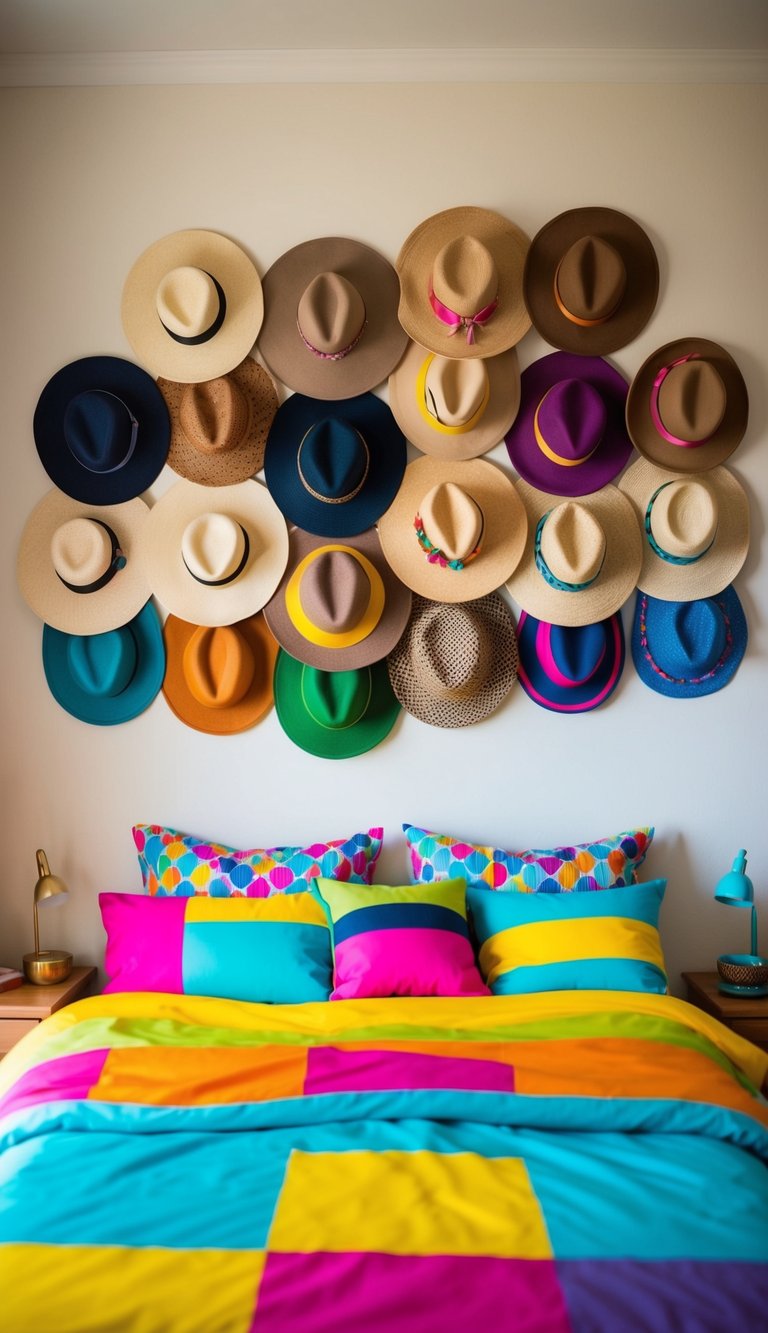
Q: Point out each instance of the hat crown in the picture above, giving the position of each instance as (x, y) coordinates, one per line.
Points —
(455, 389)
(451, 652)
(188, 301)
(333, 460)
(331, 314)
(577, 651)
(692, 400)
(218, 665)
(99, 430)
(684, 517)
(214, 415)
(336, 699)
(334, 591)
(573, 543)
(571, 420)
(689, 637)
(81, 551)
(213, 547)
(464, 275)
(103, 665)
(591, 279)
(452, 520)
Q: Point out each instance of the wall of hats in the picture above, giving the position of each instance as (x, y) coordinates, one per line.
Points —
(350, 583)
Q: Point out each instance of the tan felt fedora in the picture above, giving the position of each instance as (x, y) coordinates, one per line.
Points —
(218, 679)
(219, 427)
(452, 408)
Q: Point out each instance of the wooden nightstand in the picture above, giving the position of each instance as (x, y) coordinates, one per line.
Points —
(747, 1017)
(22, 1008)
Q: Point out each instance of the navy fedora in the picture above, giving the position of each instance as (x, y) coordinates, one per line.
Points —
(102, 429)
(686, 649)
(106, 678)
(570, 668)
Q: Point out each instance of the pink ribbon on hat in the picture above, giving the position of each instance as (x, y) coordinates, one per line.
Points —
(455, 322)
(654, 405)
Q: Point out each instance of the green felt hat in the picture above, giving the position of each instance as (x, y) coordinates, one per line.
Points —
(334, 714)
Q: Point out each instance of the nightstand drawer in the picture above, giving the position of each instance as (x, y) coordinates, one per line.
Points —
(12, 1030)
(754, 1029)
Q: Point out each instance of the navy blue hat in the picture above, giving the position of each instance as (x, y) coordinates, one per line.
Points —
(102, 430)
(334, 468)
(684, 649)
(570, 668)
(106, 678)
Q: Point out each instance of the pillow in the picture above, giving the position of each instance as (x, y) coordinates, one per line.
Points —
(182, 865)
(276, 950)
(400, 941)
(586, 941)
(605, 864)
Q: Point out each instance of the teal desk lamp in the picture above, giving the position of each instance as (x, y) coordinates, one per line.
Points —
(741, 973)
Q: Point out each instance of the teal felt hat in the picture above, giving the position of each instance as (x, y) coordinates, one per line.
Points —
(106, 678)
(334, 714)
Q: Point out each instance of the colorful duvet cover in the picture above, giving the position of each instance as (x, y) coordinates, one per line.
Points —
(559, 1163)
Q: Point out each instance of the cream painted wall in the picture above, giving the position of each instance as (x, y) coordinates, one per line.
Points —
(92, 176)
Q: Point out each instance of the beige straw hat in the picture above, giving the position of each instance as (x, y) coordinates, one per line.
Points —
(219, 427)
(451, 408)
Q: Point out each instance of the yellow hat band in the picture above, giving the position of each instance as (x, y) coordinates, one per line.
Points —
(325, 638)
(431, 420)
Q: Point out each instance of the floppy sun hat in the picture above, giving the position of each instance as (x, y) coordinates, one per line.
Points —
(461, 283)
(101, 429)
(219, 427)
(454, 531)
(106, 678)
(339, 604)
(192, 306)
(570, 668)
(569, 436)
(219, 677)
(334, 714)
(695, 529)
(79, 567)
(330, 318)
(214, 557)
(688, 407)
(334, 468)
(451, 408)
(582, 556)
(686, 649)
(591, 280)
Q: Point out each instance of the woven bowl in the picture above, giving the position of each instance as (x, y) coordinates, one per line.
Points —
(741, 970)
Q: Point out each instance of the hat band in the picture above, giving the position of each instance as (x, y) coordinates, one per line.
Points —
(546, 572)
(577, 319)
(654, 405)
(547, 658)
(212, 329)
(116, 563)
(684, 680)
(332, 356)
(659, 550)
(435, 556)
(334, 499)
(454, 322)
(105, 471)
(432, 418)
(344, 638)
(550, 453)
(229, 578)
(329, 726)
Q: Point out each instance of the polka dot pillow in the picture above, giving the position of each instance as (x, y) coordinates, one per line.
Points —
(181, 865)
(606, 863)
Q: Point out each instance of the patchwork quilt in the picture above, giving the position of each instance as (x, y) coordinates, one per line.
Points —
(571, 1162)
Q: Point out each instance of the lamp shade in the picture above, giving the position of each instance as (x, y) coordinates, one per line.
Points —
(736, 888)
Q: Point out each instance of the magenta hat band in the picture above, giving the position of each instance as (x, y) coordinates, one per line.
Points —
(547, 659)
(454, 321)
(654, 405)
(551, 670)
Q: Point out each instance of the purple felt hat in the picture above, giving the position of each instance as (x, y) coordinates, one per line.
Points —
(569, 436)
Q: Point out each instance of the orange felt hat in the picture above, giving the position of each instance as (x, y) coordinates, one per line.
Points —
(218, 678)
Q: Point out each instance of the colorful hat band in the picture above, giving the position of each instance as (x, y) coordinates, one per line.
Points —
(333, 499)
(212, 329)
(77, 454)
(430, 417)
(332, 356)
(454, 322)
(325, 638)
(654, 405)
(331, 726)
(117, 562)
(546, 572)
(678, 680)
(659, 550)
(549, 452)
(228, 578)
(435, 556)
(576, 319)
(547, 658)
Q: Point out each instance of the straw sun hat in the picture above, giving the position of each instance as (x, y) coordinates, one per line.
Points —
(219, 427)
(452, 408)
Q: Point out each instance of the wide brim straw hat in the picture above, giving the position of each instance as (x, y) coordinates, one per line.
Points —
(106, 679)
(220, 346)
(218, 679)
(374, 342)
(570, 668)
(334, 714)
(412, 403)
(240, 412)
(687, 649)
(721, 498)
(492, 238)
(455, 664)
(120, 597)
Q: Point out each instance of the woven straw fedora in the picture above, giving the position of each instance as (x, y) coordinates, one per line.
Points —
(334, 714)
(192, 306)
(108, 678)
(461, 281)
(570, 668)
(79, 566)
(451, 408)
(695, 529)
(214, 557)
(339, 605)
(330, 318)
(688, 407)
(686, 649)
(218, 679)
(219, 427)
(582, 556)
(455, 664)
(591, 280)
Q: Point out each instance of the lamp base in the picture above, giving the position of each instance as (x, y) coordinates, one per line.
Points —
(47, 967)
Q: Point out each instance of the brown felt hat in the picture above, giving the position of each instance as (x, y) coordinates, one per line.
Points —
(218, 679)
(219, 427)
(452, 408)
(591, 280)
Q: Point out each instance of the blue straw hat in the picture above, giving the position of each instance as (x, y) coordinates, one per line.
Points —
(106, 678)
(570, 668)
(685, 649)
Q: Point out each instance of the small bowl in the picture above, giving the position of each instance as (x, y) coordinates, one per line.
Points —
(743, 969)
(47, 967)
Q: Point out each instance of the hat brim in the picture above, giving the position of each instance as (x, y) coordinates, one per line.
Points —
(580, 697)
(720, 564)
(498, 415)
(504, 530)
(509, 246)
(328, 742)
(640, 294)
(235, 272)
(503, 668)
(108, 710)
(643, 636)
(236, 717)
(617, 577)
(224, 467)
(383, 340)
(376, 644)
(387, 458)
(730, 432)
(74, 612)
(614, 449)
(250, 504)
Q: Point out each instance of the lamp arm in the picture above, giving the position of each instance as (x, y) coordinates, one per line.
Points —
(37, 932)
(753, 942)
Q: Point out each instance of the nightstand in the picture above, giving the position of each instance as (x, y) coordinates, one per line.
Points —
(22, 1008)
(748, 1017)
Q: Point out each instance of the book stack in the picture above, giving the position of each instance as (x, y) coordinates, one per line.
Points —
(10, 977)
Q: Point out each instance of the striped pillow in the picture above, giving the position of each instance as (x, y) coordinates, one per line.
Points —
(409, 940)
(570, 941)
